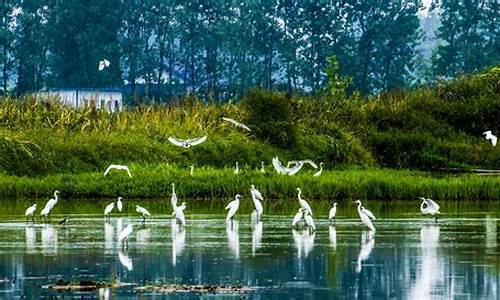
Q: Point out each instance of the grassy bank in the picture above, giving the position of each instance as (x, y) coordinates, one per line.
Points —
(154, 182)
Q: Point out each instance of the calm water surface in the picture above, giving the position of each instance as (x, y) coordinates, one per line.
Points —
(408, 256)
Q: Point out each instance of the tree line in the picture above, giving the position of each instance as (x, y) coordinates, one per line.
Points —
(221, 48)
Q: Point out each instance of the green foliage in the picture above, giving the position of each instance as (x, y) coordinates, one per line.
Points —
(337, 84)
(271, 114)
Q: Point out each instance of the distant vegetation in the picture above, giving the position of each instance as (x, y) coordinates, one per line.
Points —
(425, 129)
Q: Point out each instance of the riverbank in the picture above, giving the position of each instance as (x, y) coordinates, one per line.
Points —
(153, 182)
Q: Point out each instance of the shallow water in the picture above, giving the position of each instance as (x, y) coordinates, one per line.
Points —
(407, 257)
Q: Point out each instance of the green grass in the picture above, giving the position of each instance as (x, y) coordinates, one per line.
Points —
(154, 182)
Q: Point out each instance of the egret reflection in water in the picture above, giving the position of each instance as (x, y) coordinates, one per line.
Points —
(304, 242)
(233, 237)
(257, 228)
(178, 240)
(142, 237)
(332, 235)
(30, 238)
(491, 232)
(108, 237)
(125, 260)
(367, 244)
(49, 239)
(431, 272)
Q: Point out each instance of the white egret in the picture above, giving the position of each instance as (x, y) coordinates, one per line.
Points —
(429, 207)
(104, 293)
(118, 167)
(49, 206)
(257, 198)
(236, 169)
(119, 204)
(309, 222)
(365, 215)
(191, 170)
(262, 168)
(29, 212)
(489, 136)
(108, 209)
(104, 63)
(125, 261)
(303, 203)
(297, 218)
(367, 244)
(125, 233)
(332, 213)
(179, 214)
(173, 199)
(188, 142)
(290, 171)
(144, 212)
(236, 123)
(304, 161)
(233, 208)
(317, 174)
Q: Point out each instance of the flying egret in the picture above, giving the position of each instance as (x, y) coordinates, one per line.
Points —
(179, 214)
(108, 209)
(236, 123)
(365, 215)
(49, 206)
(144, 212)
(332, 213)
(257, 198)
(304, 161)
(303, 203)
(429, 207)
(290, 171)
(119, 204)
(188, 142)
(125, 261)
(191, 170)
(233, 208)
(64, 221)
(125, 233)
(317, 174)
(309, 221)
(118, 167)
(297, 218)
(489, 136)
(262, 168)
(29, 212)
(104, 63)
(236, 169)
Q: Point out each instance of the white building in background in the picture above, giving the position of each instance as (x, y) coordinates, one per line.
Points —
(108, 99)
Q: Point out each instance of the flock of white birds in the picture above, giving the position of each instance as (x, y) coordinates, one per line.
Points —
(304, 214)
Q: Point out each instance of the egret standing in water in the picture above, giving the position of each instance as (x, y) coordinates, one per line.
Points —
(429, 207)
(303, 203)
(332, 213)
(29, 212)
(179, 214)
(49, 206)
(365, 215)
(173, 199)
(233, 208)
(108, 209)
(257, 198)
(125, 233)
(119, 204)
(317, 174)
(297, 218)
(309, 222)
(144, 212)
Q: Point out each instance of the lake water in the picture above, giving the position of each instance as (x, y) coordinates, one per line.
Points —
(407, 257)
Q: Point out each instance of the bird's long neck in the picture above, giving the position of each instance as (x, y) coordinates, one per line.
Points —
(359, 207)
(300, 193)
(422, 205)
(173, 188)
(321, 167)
(56, 197)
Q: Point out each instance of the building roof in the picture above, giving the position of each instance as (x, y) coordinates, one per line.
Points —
(107, 90)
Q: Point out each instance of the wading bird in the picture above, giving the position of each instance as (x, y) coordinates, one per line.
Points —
(365, 215)
(257, 198)
(144, 212)
(119, 204)
(233, 208)
(187, 143)
(125, 233)
(303, 203)
(108, 209)
(173, 199)
(64, 221)
(104, 63)
(297, 218)
(49, 206)
(317, 174)
(262, 168)
(236, 123)
(309, 222)
(118, 167)
(236, 169)
(179, 214)
(489, 136)
(29, 212)
(429, 207)
(332, 213)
